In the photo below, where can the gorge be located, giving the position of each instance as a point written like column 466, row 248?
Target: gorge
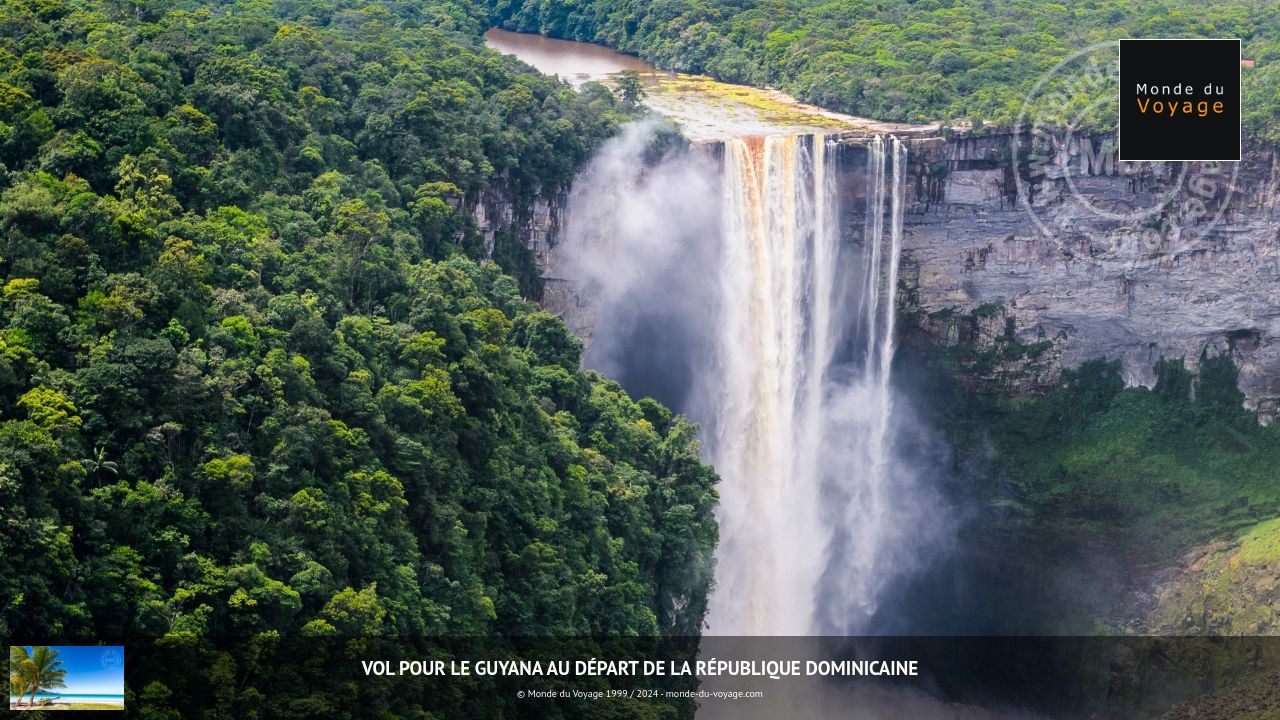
column 739, row 304
column 776, row 334
column 969, row 244
column 971, row 241
column 638, row 261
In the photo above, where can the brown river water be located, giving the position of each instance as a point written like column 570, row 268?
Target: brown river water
column 706, row 109
column 573, row 62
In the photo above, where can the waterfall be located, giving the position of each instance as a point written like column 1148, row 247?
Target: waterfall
column 733, row 286
column 771, row 394
column 797, row 354
column 870, row 528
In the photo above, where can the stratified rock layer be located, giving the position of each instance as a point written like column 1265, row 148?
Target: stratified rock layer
column 1091, row 275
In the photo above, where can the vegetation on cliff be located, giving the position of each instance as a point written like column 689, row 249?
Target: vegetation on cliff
column 1087, row 490
column 1229, row 587
column 255, row 373
column 1179, row 462
column 910, row 60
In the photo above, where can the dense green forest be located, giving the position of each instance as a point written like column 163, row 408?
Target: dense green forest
column 256, row 374
column 908, row 60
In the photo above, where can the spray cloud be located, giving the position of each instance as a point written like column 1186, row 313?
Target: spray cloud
column 725, row 281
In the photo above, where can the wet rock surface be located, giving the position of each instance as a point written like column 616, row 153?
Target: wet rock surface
column 1081, row 268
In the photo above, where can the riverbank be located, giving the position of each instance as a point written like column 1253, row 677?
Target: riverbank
column 706, row 109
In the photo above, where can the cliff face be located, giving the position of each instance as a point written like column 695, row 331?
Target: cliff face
column 536, row 227
column 539, row 228
column 1022, row 293
column 1082, row 269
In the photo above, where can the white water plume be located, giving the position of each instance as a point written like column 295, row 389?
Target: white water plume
column 867, row 479
column 798, row 422
column 776, row 267
column 736, row 275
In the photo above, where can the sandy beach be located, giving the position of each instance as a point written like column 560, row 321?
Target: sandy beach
column 68, row 706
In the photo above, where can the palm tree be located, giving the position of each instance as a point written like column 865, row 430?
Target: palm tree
column 16, row 688
column 49, row 672
column 100, row 462
column 43, row 670
column 21, row 672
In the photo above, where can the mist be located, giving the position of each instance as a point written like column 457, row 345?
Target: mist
column 751, row 285
column 640, row 245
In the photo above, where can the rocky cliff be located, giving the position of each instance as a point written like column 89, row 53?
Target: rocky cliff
column 1041, row 259
column 535, row 225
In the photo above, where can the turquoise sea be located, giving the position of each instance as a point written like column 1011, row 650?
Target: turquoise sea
column 73, row 698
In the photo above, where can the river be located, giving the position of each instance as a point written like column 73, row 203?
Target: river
column 707, row 110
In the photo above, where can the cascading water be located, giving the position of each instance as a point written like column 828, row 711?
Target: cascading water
column 785, row 328
column 868, row 525
column 788, row 352
column 776, row 265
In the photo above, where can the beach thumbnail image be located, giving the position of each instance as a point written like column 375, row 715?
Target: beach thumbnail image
column 66, row 677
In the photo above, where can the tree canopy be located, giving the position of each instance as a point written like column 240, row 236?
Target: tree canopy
column 257, row 373
column 908, row 60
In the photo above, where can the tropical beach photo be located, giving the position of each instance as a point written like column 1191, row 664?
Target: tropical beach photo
column 66, row 677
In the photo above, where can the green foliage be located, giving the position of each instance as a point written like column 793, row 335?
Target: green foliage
column 1095, row 475
column 256, row 375
column 1227, row 590
column 1173, row 380
column 35, row 671
column 630, row 89
column 1096, row 451
column 909, row 60
column 1217, row 388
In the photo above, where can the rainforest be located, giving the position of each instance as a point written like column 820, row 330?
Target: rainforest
column 341, row 331
column 256, row 374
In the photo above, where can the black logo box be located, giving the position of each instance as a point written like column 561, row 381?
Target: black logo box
column 1185, row 65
